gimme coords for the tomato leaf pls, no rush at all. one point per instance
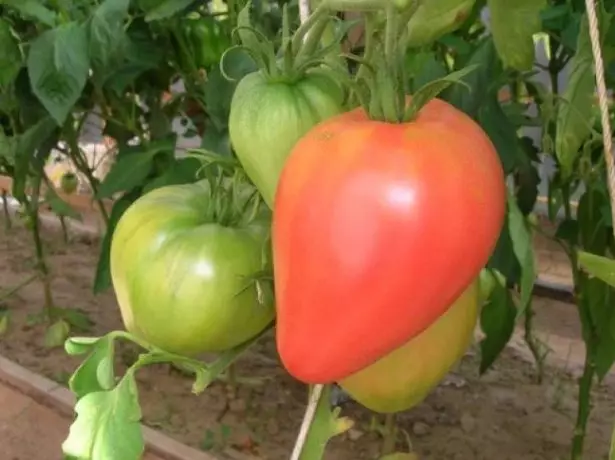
(597, 302)
(430, 90)
(326, 425)
(28, 147)
(58, 66)
(501, 131)
(497, 322)
(575, 112)
(132, 167)
(182, 171)
(593, 231)
(167, 9)
(56, 334)
(96, 373)
(436, 18)
(33, 8)
(107, 424)
(513, 25)
(80, 345)
(598, 266)
(5, 318)
(523, 248)
(107, 37)
(103, 276)
(59, 206)
(10, 56)
(479, 81)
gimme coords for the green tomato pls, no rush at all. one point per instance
(182, 281)
(268, 117)
(69, 183)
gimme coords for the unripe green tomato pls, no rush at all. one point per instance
(69, 183)
(267, 118)
(182, 281)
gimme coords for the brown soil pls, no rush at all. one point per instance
(500, 415)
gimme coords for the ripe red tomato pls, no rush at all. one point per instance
(377, 229)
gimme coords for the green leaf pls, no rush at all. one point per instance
(432, 89)
(326, 425)
(513, 25)
(501, 131)
(107, 425)
(132, 167)
(598, 266)
(497, 322)
(59, 206)
(80, 345)
(523, 248)
(28, 148)
(479, 81)
(10, 56)
(58, 66)
(575, 113)
(107, 37)
(96, 372)
(33, 8)
(102, 280)
(182, 171)
(503, 258)
(56, 334)
(5, 319)
(76, 318)
(597, 302)
(167, 9)
(435, 18)
(425, 68)
(593, 233)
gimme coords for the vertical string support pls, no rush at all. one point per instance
(594, 34)
(316, 394)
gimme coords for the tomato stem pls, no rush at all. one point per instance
(389, 435)
(7, 214)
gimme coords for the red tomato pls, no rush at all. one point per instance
(377, 229)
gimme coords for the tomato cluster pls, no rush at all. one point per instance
(379, 233)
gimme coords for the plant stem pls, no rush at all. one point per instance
(584, 406)
(390, 435)
(533, 343)
(82, 166)
(33, 210)
(64, 229)
(308, 418)
(14, 289)
(7, 214)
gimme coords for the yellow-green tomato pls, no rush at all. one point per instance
(182, 281)
(403, 378)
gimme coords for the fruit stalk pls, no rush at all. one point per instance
(308, 418)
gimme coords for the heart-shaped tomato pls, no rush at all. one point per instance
(377, 229)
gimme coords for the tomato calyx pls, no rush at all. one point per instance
(298, 54)
(381, 83)
(230, 199)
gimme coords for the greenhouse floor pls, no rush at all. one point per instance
(30, 430)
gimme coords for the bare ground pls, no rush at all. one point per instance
(501, 415)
